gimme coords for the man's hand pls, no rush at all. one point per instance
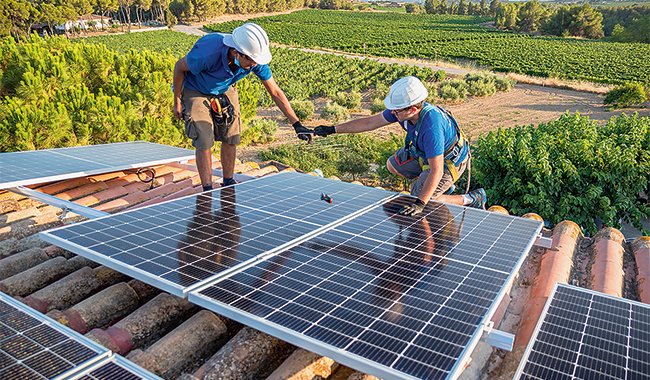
(178, 108)
(324, 130)
(413, 209)
(303, 132)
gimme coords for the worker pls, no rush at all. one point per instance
(205, 95)
(435, 151)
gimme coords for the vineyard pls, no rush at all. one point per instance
(458, 38)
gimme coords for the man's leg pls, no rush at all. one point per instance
(204, 166)
(228, 155)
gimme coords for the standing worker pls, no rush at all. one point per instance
(435, 151)
(206, 98)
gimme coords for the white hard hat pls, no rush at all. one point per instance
(250, 39)
(405, 92)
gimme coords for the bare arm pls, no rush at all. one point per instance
(437, 166)
(362, 125)
(280, 99)
(180, 68)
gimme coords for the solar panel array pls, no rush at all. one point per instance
(18, 168)
(584, 334)
(178, 244)
(33, 346)
(386, 294)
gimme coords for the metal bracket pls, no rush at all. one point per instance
(65, 206)
(543, 242)
(497, 338)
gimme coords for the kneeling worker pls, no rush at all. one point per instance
(435, 151)
(206, 98)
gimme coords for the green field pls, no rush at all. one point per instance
(445, 37)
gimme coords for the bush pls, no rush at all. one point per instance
(439, 76)
(433, 92)
(453, 90)
(480, 84)
(259, 131)
(349, 100)
(304, 109)
(627, 95)
(571, 168)
(377, 106)
(335, 113)
(504, 83)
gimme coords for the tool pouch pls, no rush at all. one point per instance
(223, 115)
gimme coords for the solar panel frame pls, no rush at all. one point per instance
(561, 288)
(115, 367)
(358, 362)
(101, 352)
(82, 161)
(249, 186)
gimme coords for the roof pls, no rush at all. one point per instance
(175, 339)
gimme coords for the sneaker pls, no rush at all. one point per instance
(479, 199)
(228, 182)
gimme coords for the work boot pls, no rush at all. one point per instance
(479, 199)
(229, 181)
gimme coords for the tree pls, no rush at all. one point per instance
(414, 8)
(494, 5)
(586, 22)
(104, 6)
(462, 7)
(506, 16)
(430, 6)
(484, 10)
(530, 16)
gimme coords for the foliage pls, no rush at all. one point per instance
(304, 109)
(504, 83)
(439, 75)
(570, 168)
(341, 155)
(335, 113)
(435, 37)
(350, 100)
(480, 84)
(627, 95)
(637, 31)
(259, 131)
(377, 105)
(58, 93)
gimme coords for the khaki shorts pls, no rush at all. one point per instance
(198, 121)
(409, 167)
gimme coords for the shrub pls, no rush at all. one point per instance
(504, 83)
(377, 105)
(433, 92)
(304, 109)
(627, 95)
(349, 100)
(439, 76)
(259, 131)
(480, 84)
(453, 90)
(571, 168)
(335, 113)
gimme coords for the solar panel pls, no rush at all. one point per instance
(32, 346)
(583, 334)
(180, 243)
(19, 168)
(116, 368)
(393, 296)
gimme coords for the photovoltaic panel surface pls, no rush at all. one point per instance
(394, 296)
(178, 244)
(32, 346)
(116, 368)
(584, 334)
(38, 166)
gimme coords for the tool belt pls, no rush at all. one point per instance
(222, 112)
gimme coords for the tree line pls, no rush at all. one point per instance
(625, 24)
(18, 18)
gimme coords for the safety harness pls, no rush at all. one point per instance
(452, 154)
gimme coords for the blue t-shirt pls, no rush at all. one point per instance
(437, 132)
(209, 71)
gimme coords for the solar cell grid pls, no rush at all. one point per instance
(588, 335)
(177, 244)
(19, 168)
(383, 293)
(30, 348)
(116, 368)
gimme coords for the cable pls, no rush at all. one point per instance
(146, 179)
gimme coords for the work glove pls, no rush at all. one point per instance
(303, 132)
(324, 130)
(412, 209)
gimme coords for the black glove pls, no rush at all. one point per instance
(412, 209)
(303, 132)
(324, 130)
